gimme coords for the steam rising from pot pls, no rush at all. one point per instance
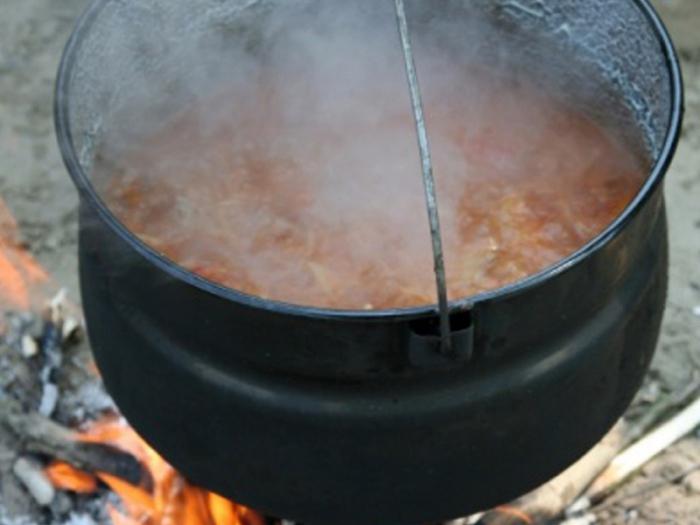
(296, 136)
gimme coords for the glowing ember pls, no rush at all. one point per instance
(515, 513)
(170, 501)
(65, 477)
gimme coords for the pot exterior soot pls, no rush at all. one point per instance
(356, 416)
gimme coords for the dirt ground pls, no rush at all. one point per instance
(35, 186)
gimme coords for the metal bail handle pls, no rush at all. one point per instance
(428, 179)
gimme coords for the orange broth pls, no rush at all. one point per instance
(331, 213)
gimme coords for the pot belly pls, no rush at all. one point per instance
(400, 449)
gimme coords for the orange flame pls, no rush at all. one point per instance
(65, 477)
(171, 501)
(19, 272)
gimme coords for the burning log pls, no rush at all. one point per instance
(107, 453)
(43, 436)
(168, 500)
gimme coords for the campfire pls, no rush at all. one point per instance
(166, 498)
(102, 455)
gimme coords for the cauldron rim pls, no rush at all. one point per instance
(89, 194)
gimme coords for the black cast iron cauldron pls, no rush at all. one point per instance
(354, 417)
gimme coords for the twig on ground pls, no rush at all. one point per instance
(661, 409)
(649, 487)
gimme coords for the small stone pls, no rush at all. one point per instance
(29, 346)
(579, 506)
(94, 398)
(35, 481)
(691, 483)
(588, 519)
(650, 393)
(56, 307)
(696, 311)
(62, 504)
(631, 516)
(49, 400)
(71, 330)
(80, 519)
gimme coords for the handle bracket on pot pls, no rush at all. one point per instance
(424, 344)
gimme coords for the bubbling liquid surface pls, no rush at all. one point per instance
(325, 206)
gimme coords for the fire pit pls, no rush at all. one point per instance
(303, 411)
